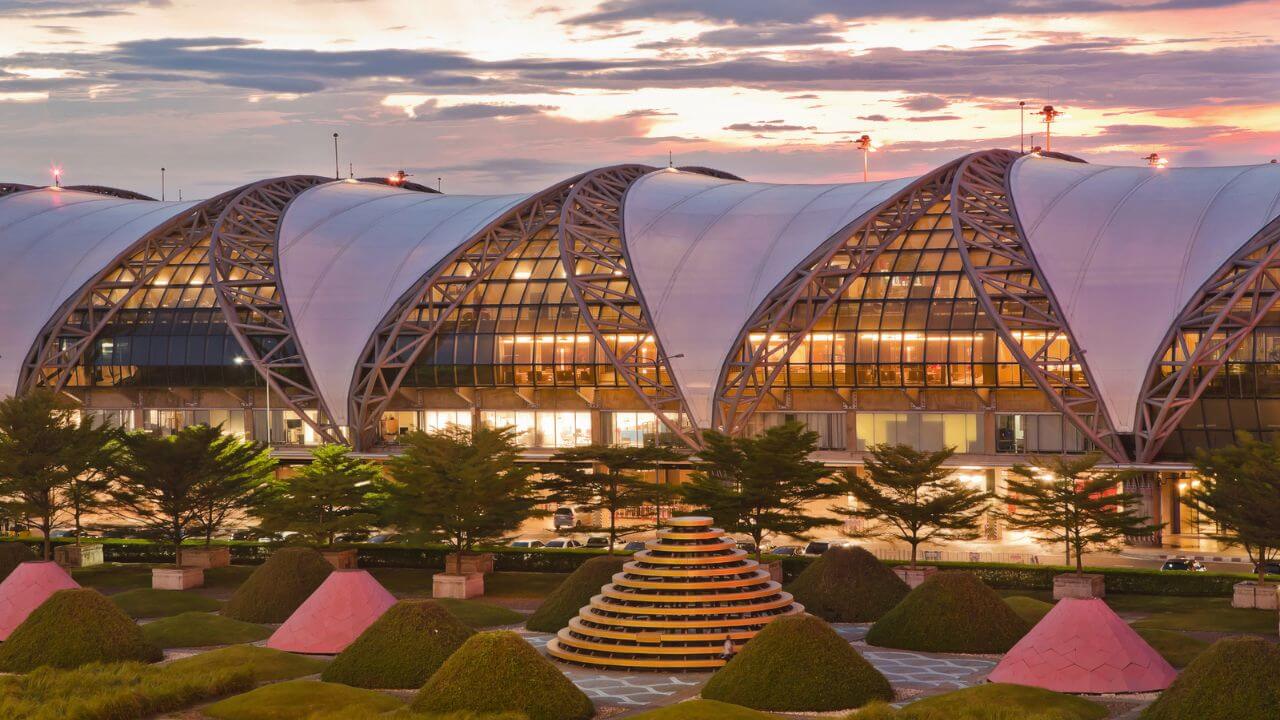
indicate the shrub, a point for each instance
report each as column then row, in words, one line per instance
column 848, row 585
column 479, row 614
column 950, row 612
column 1234, row 679
column 497, row 672
column 797, row 664
column 990, row 702
column 276, row 589
column 401, row 649
column 301, row 698
column 115, row 691
column 11, row 554
column 198, row 629
column 73, row 628
column 266, row 664
column 563, row 604
column 149, row 603
column 704, row 710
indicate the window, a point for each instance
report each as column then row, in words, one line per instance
column 1038, row 433
column 543, row 429
column 922, row 431
column 398, row 423
column 168, row 422
column 830, row 426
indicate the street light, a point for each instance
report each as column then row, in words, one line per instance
column 1048, row 115
column 1022, row 126
column 337, row 173
column 57, row 176
column 1154, row 160
column 161, row 184
column 239, row 360
column 864, row 144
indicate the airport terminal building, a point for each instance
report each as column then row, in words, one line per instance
column 1007, row 305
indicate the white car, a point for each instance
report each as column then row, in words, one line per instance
column 562, row 543
column 526, row 544
column 817, row 547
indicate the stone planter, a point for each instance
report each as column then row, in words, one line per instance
column 177, row 578
column 1082, row 587
column 78, row 555
column 341, row 559
column 775, row 570
column 468, row 563
column 1253, row 594
column 914, row 576
column 205, row 558
column 458, row 587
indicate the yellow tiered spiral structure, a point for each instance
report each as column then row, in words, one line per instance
column 674, row 604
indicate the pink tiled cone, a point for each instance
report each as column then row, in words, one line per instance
column 344, row 605
column 29, row 585
column 1082, row 646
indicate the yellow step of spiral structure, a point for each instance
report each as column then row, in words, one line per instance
column 674, row 605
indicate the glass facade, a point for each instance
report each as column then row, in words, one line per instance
column 1038, row 432
column 921, row 430
column 543, row 428
column 830, row 426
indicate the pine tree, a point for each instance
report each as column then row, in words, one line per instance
column 607, row 478
column 760, row 485
column 1240, row 493
column 323, row 498
column 1066, row 500
column 913, row 498
column 241, row 471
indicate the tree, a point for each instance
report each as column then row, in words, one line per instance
column 760, row 485
column 606, row 478
column 459, row 485
column 913, row 498
column 1066, row 500
column 45, row 451
column 238, row 478
column 1240, row 493
column 323, row 498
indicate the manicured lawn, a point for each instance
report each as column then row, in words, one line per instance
column 1194, row 613
column 199, row 629
column 300, row 699
column 990, row 702
column 704, row 710
column 1029, row 608
column 114, row 577
column 267, row 665
column 1179, row 649
column 479, row 614
column 228, row 577
column 148, row 603
column 410, row 582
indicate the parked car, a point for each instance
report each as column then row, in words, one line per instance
column 1272, row 567
column 564, row 517
column 747, row 545
column 382, row 538
column 1182, row 565
column 817, row 547
column 597, row 541
column 526, row 544
column 786, row 550
column 634, row 546
column 562, row 543
column 62, row 533
column 353, row 537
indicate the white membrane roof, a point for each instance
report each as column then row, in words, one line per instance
column 706, row 252
column 1124, row 249
column 53, row 242
column 349, row 250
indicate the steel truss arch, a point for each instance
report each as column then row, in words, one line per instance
column 246, row 280
column 415, row 318
column 62, row 344
column 1222, row 313
column 795, row 306
column 597, row 265
column 1010, row 288
column 110, row 192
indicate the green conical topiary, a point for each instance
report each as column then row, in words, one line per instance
column 71, row 628
column 798, row 664
column 279, row 586
column 950, row 612
column 497, row 672
column 563, row 604
column 11, row 555
column 1235, row 678
column 401, row 649
column 848, row 585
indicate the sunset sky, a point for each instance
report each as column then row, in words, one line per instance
column 504, row 95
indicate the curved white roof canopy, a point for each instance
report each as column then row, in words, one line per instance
column 1124, row 249
column 349, row 250
column 706, row 252
column 53, row 242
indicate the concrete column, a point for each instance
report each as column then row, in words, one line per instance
column 1146, row 487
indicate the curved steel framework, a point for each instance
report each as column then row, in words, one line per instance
column 419, row 314
column 1219, row 318
column 1009, row 287
column 62, row 344
column 597, row 268
column 796, row 305
column 244, row 274
column 110, row 191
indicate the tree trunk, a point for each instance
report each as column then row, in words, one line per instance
column 613, row 529
column 46, row 527
column 913, row 556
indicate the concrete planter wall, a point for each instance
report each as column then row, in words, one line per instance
column 78, row 555
column 914, row 576
column 1253, row 594
column 775, row 570
column 457, row 586
column 177, row 578
column 467, row 563
column 1081, row 587
column 341, row 559
column 205, row 558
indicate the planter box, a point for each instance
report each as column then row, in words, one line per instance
column 341, row 559
column 1082, row 587
column 1252, row 594
column 177, row 578
column 78, row 555
column 468, row 563
column 914, row 576
column 775, row 570
column 458, row 587
column 212, row 557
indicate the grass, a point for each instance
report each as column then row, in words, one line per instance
column 198, row 629
column 990, row 702
column 563, row 604
column 414, row 583
column 1194, row 614
column 848, row 585
column 1028, row 608
column 301, row 699
column 704, row 710
column 1178, row 649
column 1234, row 679
column 148, row 603
column 477, row 614
column 11, row 555
column 114, row 577
column 74, row 628
column 950, row 612
column 401, row 649
column 227, row 578
column 265, row 664
column 115, row 691
column 277, row 587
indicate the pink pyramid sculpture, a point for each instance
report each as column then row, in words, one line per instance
column 344, row 605
column 29, row 585
column 1082, row 646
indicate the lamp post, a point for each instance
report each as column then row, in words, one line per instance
column 161, row 184
column 57, row 176
column 1048, row 113
column 864, row 144
column 1154, row 160
column 337, row 173
column 1022, row 126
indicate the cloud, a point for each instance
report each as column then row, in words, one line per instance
column 647, row 112
column 767, row 126
column 34, row 9
column 877, row 117
column 430, row 111
column 931, row 118
column 924, row 103
column 775, row 35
